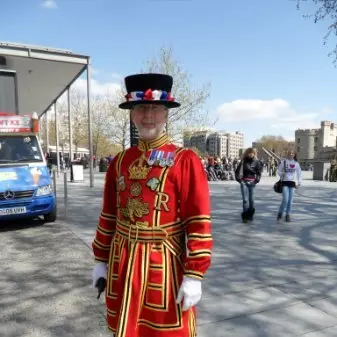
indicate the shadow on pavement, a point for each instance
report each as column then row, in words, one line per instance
column 46, row 287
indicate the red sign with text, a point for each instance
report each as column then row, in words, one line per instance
column 15, row 123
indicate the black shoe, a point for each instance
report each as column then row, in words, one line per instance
column 250, row 214
column 288, row 218
column 279, row 216
column 244, row 217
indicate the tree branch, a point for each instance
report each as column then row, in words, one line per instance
column 327, row 9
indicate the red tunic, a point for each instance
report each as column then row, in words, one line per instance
column 150, row 214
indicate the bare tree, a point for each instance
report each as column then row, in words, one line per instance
column 43, row 132
column 327, row 10
column 79, row 122
column 100, row 125
column 276, row 144
column 105, row 148
column 118, row 119
column 192, row 111
column 62, row 128
column 109, row 124
column 80, row 118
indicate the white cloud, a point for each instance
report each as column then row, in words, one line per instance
column 104, row 74
column 97, row 88
column 276, row 113
column 297, row 121
column 49, row 4
column 249, row 109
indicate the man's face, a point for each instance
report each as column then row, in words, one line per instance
column 149, row 119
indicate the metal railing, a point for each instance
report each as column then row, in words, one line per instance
column 271, row 154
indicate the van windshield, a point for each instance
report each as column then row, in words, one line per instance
column 14, row 149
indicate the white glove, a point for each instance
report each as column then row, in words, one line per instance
column 100, row 270
column 190, row 291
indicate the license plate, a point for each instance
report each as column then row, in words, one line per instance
column 13, row 210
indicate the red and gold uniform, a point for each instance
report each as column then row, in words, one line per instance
column 151, row 213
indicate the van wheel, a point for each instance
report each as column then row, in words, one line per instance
column 51, row 217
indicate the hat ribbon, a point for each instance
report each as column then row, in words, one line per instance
column 149, row 95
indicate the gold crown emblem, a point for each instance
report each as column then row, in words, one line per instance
column 138, row 172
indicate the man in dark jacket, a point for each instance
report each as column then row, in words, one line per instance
column 248, row 174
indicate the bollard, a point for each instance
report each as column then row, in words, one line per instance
column 65, row 194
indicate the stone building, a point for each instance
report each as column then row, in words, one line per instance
column 310, row 142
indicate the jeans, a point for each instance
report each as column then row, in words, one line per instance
column 287, row 200
column 247, row 192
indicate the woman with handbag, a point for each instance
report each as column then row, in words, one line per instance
column 248, row 174
column 287, row 170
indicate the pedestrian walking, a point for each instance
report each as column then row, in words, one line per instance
column 287, row 170
column 248, row 174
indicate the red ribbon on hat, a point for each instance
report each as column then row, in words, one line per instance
column 148, row 95
column 169, row 97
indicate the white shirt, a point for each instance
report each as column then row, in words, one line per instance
column 287, row 172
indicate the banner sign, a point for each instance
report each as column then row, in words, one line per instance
column 15, row 123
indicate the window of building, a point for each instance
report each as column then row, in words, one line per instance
column 298, row 140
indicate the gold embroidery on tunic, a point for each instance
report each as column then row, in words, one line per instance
column 163, row 199
column 135, row 208
column 136, row 189
column 137, row 171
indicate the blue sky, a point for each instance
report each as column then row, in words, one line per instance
column 268, row 68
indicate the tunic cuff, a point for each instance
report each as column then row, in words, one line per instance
column 194, row 274
column 98, row 259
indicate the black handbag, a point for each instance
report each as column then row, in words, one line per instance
column 278, row 186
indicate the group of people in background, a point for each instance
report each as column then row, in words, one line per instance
column 248, row 171
column 248, row 174
column 224, row 168
column 218, row 168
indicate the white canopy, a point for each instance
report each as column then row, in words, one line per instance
column 43, row 74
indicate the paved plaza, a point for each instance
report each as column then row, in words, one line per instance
column 267, row 279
